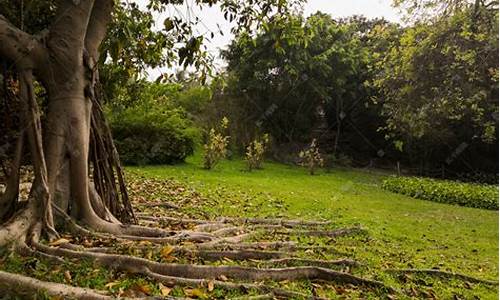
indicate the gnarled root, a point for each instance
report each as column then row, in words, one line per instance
column 164, row 272
column 30, row 286
column 237, row 221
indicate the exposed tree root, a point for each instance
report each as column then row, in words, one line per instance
column 309, row 262
column 276, row 292
column 281, row 222
column 29, row 287
column 277, row 245
column 444, row 274
column 157, row 270
column 136, row 232
column 16, row 229
column 234, row 255
column 227, row 220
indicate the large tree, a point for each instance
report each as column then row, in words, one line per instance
column 72, row 141
column 438, row 85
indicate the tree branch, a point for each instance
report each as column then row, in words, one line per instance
column 21, row 48
column 69, row 28
column 98, row 23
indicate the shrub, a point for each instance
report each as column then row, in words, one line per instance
column 445, row 191
column 160, row 134
column 311, row 158
column 216, row 147
column 254, row 156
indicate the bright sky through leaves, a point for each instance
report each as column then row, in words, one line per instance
column 211, row 17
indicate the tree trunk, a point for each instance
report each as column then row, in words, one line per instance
column 64, row 61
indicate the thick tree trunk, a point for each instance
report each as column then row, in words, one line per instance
column 65, row 62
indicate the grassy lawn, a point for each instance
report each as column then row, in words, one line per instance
column 401, row 232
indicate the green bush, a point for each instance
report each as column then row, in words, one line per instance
column 445, row 191
column 216, row 147
column 158, row 134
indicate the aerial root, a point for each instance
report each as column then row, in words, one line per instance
column 192, row 274
column 443, row 274
column 31, row 286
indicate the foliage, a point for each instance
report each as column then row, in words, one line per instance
column 216, row 147
column 445, row 191
column 136, row 40
column 311, row 158
column 290, row 68
column 153, row 130
column 254, row 156
column 439, row 83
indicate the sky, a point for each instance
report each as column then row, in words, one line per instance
column 211, row 17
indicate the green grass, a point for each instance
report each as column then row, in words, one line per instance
column 402, row 232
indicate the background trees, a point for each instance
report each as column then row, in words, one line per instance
column 370, row 91
column 439, row 88
column 302, row 77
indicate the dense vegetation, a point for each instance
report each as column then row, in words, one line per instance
column 154, row 130
column 423, row 94
column 445, row 191
column 373, row 93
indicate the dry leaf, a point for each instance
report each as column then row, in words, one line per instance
column 210, row 285
column 166, row 251
column 223, row 278
column 59, row 242
column 67, row 276
column 164, row 290
column 111, row 284
column 144, row 288
column 195, row 293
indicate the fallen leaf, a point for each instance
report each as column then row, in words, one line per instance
column 223, row 278
column 210, row 285
column 59, row 242
column 111, row 284
column 166, row 251
column 164, row 291
column 195, row 293
column 67, row 276
column 144, row 288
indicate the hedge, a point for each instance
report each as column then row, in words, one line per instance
column 157, row 135
column 445, row 191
